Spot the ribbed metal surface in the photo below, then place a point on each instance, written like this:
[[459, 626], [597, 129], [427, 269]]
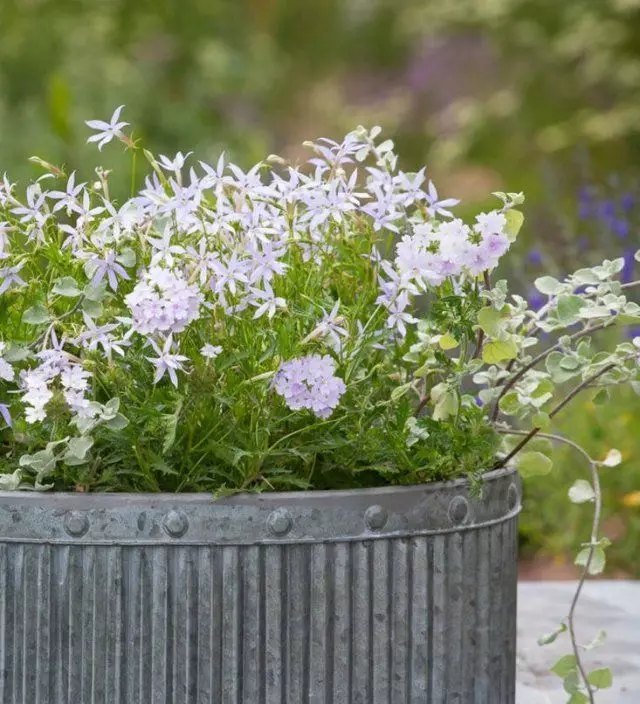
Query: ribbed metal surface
[[376, 620]]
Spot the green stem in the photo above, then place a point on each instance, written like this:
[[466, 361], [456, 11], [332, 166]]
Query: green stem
[[133, 171], [595, 531]]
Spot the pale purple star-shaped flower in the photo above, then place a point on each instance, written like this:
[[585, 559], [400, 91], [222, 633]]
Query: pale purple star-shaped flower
[[106, 131], [4, 412], [176, 164], [266, 301], [109, 267], [399, 318], [166, 362], [201, 259], [439, 207], [264, 263], [210, 351], [228, 274], [163, 249], [32, 212], [331, 326], [9, 277], [69, 197]]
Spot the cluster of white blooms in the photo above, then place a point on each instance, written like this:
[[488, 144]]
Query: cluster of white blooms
[[309, 382], [74, 381], [37, 394], [37, 384], [434, 253], [199, 236], [163, 302]]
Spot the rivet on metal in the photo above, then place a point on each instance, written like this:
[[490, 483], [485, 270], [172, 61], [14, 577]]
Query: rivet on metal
[[513, 496], [458, 510], [175, 524], [279, 521], [76, 524], [375, 517]]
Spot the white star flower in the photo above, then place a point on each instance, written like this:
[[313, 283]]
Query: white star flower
[[107, 130]]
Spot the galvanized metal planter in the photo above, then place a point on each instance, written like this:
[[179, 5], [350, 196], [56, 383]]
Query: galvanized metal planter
[[401, 595]]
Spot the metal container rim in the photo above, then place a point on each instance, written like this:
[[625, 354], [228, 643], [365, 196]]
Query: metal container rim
[[107, 499]]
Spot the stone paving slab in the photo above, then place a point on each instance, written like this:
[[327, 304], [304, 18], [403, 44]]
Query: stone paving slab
[[613, 606]]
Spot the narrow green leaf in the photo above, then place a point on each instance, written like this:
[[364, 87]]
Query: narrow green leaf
[[172, 427], [400, 391]]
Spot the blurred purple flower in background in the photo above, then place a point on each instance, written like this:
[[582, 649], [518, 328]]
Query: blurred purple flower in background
[[626, 276], [535, 256], [617, 210]]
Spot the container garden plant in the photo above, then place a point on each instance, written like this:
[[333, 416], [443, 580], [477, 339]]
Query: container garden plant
[[262, 432]]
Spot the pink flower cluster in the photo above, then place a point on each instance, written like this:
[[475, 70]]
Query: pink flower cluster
[[163, 302], [436, 251], [309, 382]]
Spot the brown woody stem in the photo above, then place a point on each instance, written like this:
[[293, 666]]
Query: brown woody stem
[[528, 436], [521, 372]]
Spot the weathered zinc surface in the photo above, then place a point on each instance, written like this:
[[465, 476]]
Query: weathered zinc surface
[[387, 596]]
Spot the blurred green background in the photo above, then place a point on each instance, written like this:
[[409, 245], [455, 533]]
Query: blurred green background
[[535, 95]]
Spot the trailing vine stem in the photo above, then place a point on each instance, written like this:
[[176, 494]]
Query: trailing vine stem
[[545, 353], [595, 530], [529, 435]]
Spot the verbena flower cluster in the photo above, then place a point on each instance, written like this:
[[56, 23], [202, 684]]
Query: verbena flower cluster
[[310, 382], [226, 328], [163, 302]]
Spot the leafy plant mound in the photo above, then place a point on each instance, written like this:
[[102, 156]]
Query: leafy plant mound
[[327, 326]]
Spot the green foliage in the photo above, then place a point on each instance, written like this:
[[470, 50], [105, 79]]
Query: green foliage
[[596, 428]]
